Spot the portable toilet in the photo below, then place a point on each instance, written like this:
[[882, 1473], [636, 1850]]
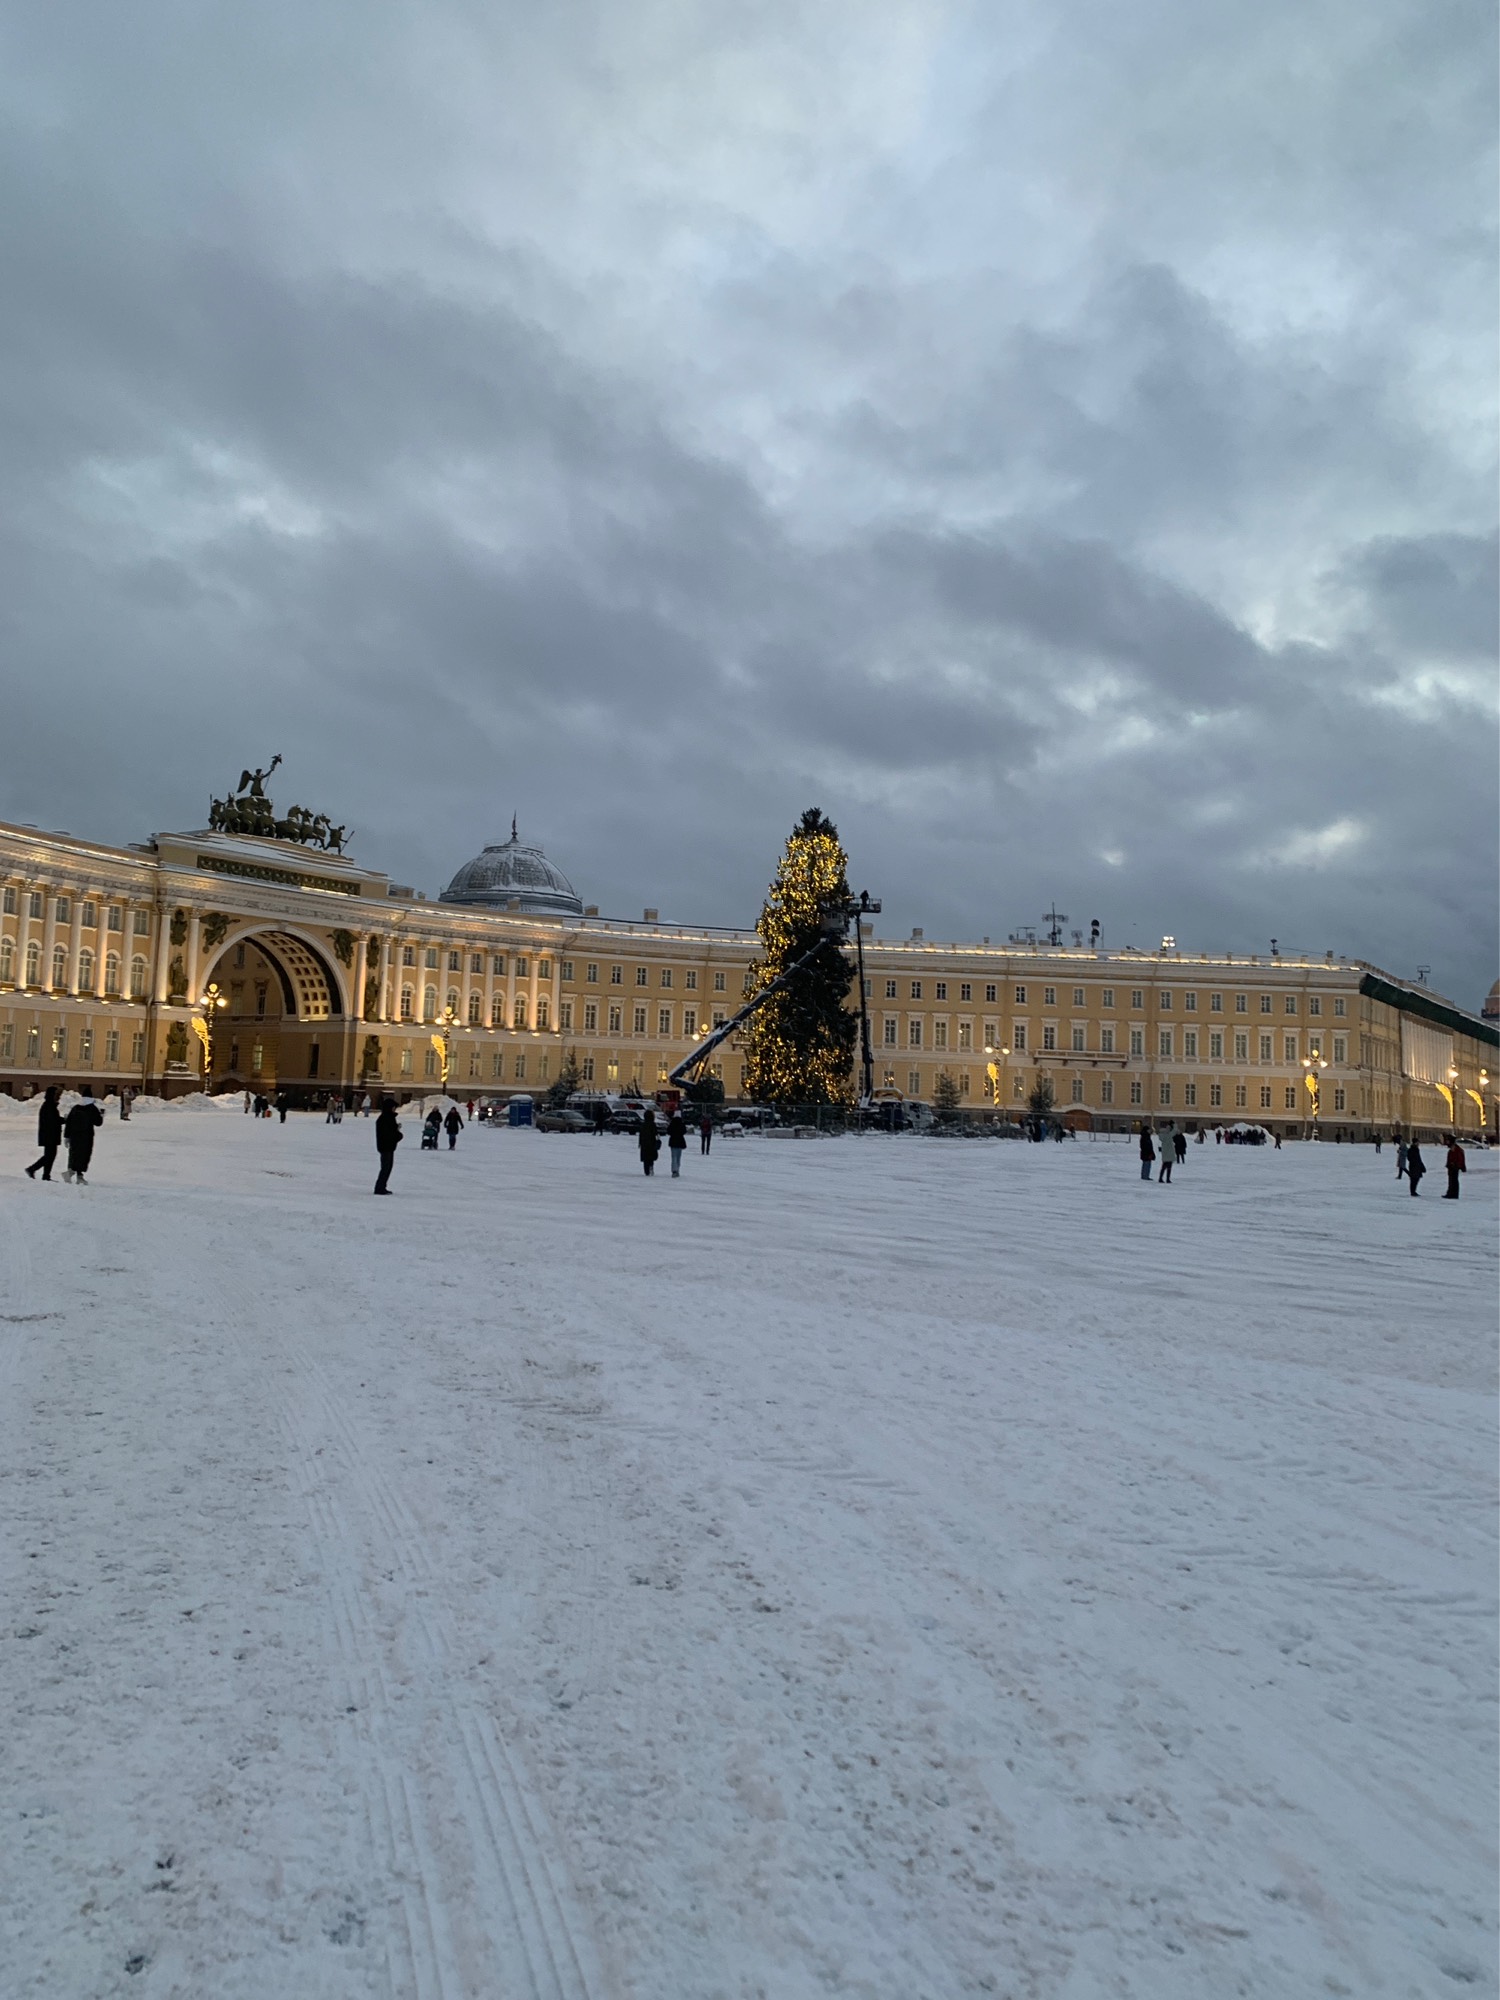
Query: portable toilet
[[518, 1111]]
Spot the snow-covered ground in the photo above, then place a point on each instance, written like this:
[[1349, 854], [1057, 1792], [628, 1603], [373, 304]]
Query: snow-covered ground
[[885, 1567]]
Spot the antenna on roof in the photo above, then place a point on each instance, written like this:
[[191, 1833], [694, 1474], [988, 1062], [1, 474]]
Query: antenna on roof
[[1422, 972], [513, 833], [1056, 918]]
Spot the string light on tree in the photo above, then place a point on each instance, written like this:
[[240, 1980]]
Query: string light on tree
[[800, 1046]]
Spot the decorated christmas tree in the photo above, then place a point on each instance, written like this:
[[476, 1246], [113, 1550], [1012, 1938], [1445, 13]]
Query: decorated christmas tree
[[800, 1046]]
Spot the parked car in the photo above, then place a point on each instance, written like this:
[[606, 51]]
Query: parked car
[[563, 1121]]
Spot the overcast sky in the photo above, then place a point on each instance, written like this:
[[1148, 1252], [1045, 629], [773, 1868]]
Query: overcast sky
[[1057, 438]]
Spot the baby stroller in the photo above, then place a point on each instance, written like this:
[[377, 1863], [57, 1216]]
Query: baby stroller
[[432, 1124]]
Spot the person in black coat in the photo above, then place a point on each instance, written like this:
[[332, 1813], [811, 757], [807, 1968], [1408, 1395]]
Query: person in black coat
[[388, 1136], [1148, 1152], [1416, 1166], [453, 1124], [649, 1142], [676, 1141], [705, 1133], [49, 1131], [601, 1116], [79, 1127]]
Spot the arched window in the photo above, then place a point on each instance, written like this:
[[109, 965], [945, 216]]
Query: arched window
[[497, 1011], [429, 1003], [520, 1013], [33, 963], [85, 971], [59, 966], [452, 1001], [138, 978], [406, 1003], [543, 1014], [112, 973], [7, 960], [476, 1010]]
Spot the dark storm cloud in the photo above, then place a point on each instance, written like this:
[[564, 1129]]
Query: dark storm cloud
[[1059, 442]]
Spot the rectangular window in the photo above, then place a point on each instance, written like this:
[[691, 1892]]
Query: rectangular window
[[966, 1034], [642, 973], [497, 1012], [1018, 1038], [1106, 1041], [1216, 1046], [1341, 1048], [591, 974], [497, 1065], [1265, 1048], [1291, 1003], [1049, 996], [639, 1018], [1078, 1090], [137, 1048], [1164, 1000], [1215, 1095], [616, 1015], [940, 1034], [991, 1034], [1078, 1041], [1164, 1043], [1164, 1093], [1077, 996], [1265, 1003], [1314, 1004], [1190, 1094], [1242, 1003], [523, 967], [1242, 1048], [1289, 1048], [588, 1069], [455, 961], [544, 971], [914, 1034], [115, 921], [565, 1016], [37, 907], [1239, 1096], [1291, 1097], [691, 981], [1135, 1091], [60, 1045], [718, 982], [666, 975], [991, 995], [1020, 996], [914, 1082], [1107, 1091], [1138, 1041], [111, 1047], [1190, 1044], [9, 903], [521, 1068], [409, 956], [916, 989], [90, 918], [591, 1017], [689, 1021], [942, 989], [718, 1017], [888, 1034], [1108, 996], [544, 1016], [1315, 1045], [1049, 1038], [1216, 1003], [142, 922], [476, 961], [1265, 1097], [965, 991], [1189, 1003], [1137, 998], [890, 989], [565, 971], [617, 975], [1338, 1097], [1338, 1008], [664, 1020]]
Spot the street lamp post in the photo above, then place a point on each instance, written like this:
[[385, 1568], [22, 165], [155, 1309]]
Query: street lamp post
[[211, 1003], [997, 1076], [1453, 1097], [1313, 1067], [443, 1041]]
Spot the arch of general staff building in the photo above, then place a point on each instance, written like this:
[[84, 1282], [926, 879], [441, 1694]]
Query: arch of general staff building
[[329, 977]]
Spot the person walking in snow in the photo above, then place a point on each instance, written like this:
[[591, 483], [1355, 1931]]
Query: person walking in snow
[[1148, 1152], [705, 1133], [1179, 1146], [453, 1124], [649, 1142], [49, 1132], [1168, 1155], [1457, 1164], [676, 1141], [1416, 1166], [1400, 1158], [79, 1127], [388, 1136]]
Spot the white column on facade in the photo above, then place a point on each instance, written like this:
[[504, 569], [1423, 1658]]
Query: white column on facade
[[162, 936], [194, 936], [361, 962], [23, 929], [49, 939], [489, 982], [75, 943]]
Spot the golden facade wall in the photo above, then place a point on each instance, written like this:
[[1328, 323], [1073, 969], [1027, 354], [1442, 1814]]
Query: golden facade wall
[[105, 955]]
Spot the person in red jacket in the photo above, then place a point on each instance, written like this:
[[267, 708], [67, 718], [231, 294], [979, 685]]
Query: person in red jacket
[[1456, 1165]]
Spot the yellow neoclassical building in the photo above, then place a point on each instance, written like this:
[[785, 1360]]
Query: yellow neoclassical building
[[250, 953]]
